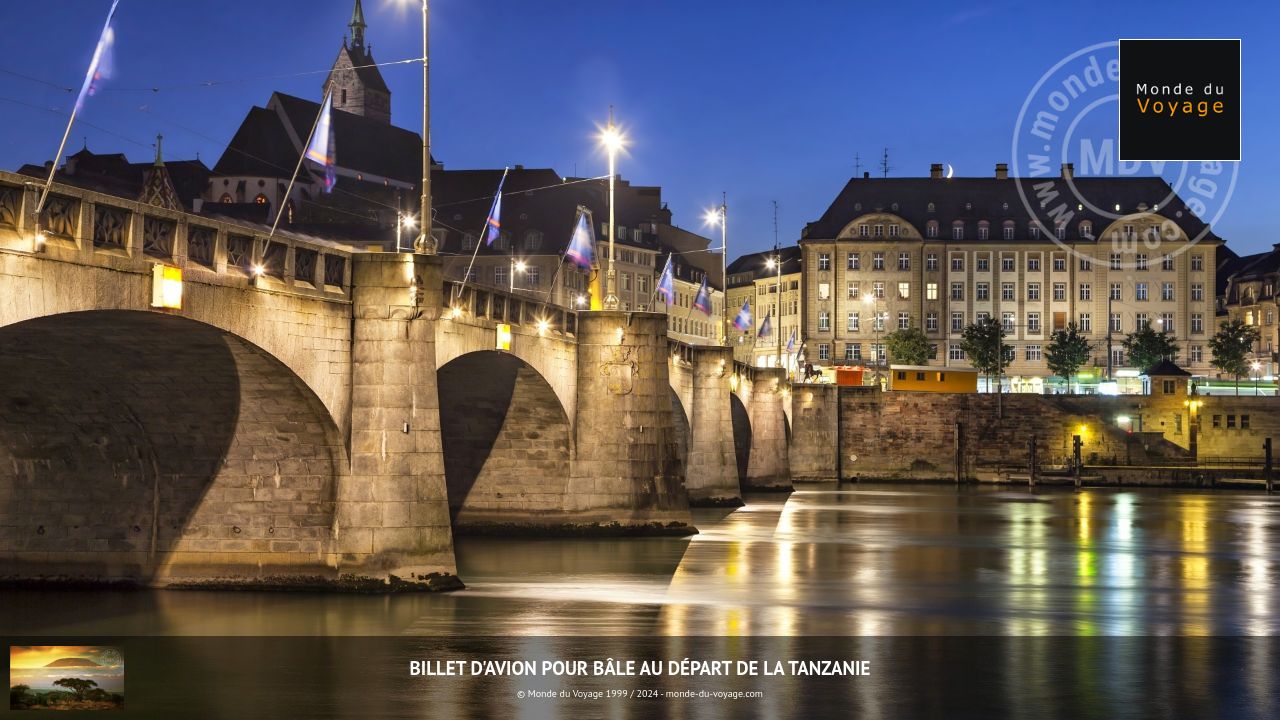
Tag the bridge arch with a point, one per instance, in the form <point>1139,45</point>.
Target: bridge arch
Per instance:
<point>150,447</point>
<point>741,436</point>
<point>507,440</point>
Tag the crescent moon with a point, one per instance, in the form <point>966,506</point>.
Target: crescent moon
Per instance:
<point>950,171</point>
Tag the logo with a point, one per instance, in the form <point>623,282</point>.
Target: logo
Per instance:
<point>1065,159</point>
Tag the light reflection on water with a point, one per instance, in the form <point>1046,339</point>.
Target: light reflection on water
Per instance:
<point>853,560</point>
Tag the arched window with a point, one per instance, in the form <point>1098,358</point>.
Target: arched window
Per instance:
<point>957,230</point>
<point>1007,229</point>
<point>1086,229</point>
<point>984,230</point>
<point>261,199</point>
<point>931,227</point>
<point>226,198</point>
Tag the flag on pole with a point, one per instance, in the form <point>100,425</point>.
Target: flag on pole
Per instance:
<point>666,284</point>
<point>582,247</point>
<point>743,321</point>
<point>493,225</point>
<point>320,149</point>
<point>791,341</point>
<point>100,65</point>
<point>766,327</point>
<point>702,300</point>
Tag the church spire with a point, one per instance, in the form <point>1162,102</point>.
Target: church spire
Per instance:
<point>357,26</point>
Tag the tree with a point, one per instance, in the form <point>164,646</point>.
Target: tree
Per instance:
<point>1231,346</point>
<point>907,347</point>
<point>76,685</point>
<point>1147,347</point>
<point>18,695</point>
<point>983,344</point>
<point>1066,352</point>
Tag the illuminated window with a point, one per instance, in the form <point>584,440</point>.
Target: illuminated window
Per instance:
<point>261,199</point>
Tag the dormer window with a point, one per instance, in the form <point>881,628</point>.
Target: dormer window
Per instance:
<point>931,227</point>
<point>931,207</point>
<point>1086,229</point>
<point>984,230</point>
<point>957,230</point>
<point>1007,229</point>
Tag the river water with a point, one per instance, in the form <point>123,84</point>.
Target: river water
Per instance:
<point>946,578</point>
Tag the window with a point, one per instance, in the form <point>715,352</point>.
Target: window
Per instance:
<point>1141,320</point>
<point>1166,291</point>
<point>1086,322</point>
<point>1059,291</point>
<point>1033,291</point>
<point>931,291</point>
<point>1033,353</point>
<point>1086,229</point>
<point>955,352</point>
<point>877,261</point>
<point>983,318</point>
<point>1117,357</point>
<point>904,260</point>
<point>984,264</point>
<point>957,263</point>
<point>1115,261</point>
<point>626,282</point>
<point>957,322</point>
<point>1244,422</point>
<point>824,291</point>
<point>852,322</point>
<point>824,351</point>
<point>824,320</point>
<point>1217,421</point>
<point>864,231</point>
<point>1086,291</point>
<point>1061,230</point>
<point>1007,320</point>
<point>1006,264</point>
<point>1166,262</point>
<point>877,352</point>
<point>1166,322</point>
<point>1140,291</point>
<point>1059,264</point>
<point>1197,263</point>
<point>261,199</point>
<point>984,230</point>
<point>879,231</point>
<point>878,321</point>
<point>1033,264</point>
<point>1116,290</point>
<point>957,230</point>
<point>1086,264</point>
<point>824,261</point>
<point>1007,231</point>
<point>1033,322</point>
<point>931,321</point>
<point>853,289</point>
<point>853,351</point>
<point>500,275</point>
<point>853,261</point>
<point>1115,323</point>
<point>1033,231</point>
<point>1197,292</point>
<point>904,291</point>
<point>957,291</point>
<point>893,230</point>
<point>904,320</point>
<point>984,291</point>
<point>1197,354</point>
<point>931,262</point>
<point>877,288</point>
<point>642,284</point>
<point>931,229</point>
<point>534,275</point>
<point>1142,261</point>
<point>1231,421</point>
<point>1006,291</point>
<point>1169,386</point>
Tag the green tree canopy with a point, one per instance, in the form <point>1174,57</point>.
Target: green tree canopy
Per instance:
<point>907,347</point>
<point>1146,347</point>
<point>1067,351</point>
<point>1231,346</point>
<point>983,343</point>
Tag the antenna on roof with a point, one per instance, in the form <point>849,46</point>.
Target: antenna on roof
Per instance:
<point>775,226</point>
<point>857,164</point>
<point>884,163</point>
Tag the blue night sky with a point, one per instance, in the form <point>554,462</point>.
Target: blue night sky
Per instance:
<point>763,100</point>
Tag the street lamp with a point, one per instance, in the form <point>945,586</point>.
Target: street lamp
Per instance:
<point>775,263</point>
<point>720,216</point>
<point>422,244</point>
<point>870,299</point>
<point>613,140</point>
<point>1257,367</point>
<point>407,222</point>
<point>517,266</point>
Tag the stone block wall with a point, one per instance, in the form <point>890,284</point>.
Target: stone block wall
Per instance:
<point>767,468</point>
<point>813,450</point>
<point>711,473</point>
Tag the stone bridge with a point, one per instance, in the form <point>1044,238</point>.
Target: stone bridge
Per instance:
<point>316,414</point>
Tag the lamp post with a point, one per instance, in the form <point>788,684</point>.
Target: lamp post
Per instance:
<point>517,266</point>
<point>611,138</point>
<point>426,137</point>
<point>775,263</point>
<point>720,216</point>
<point>406,222</point>
<point>870,299</point>
<point>1257,368</point>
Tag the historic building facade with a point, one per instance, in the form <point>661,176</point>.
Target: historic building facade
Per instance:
<point>941,253</point>
<point>754,279</point>
<point>1249,295</point>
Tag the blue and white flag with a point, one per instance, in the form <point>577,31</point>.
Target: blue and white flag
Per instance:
<point>582,248</point>
<point>100,65</point>
<point>320,149</point>
<point>702,301</point>
<point>791,341</point>
<point>493,225</point>
<point>766,327</point>
<point>743,321</point>
<point>666,284</point>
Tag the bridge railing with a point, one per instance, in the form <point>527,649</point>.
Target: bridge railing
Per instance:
<point>93,228</point>
<point>487,303</point>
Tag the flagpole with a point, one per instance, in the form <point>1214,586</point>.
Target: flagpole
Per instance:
<point>467,275</point>
<point>301,156</point>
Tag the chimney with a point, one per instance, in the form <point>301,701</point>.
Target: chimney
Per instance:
<point>1068,170</point>
<point>866,174</point>
<point>935,171</point>
<point>1002,171</point>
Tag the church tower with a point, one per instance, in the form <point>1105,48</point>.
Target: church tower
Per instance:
<point>357,84</point>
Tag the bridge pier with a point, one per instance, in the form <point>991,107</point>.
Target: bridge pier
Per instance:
<point>768,467</point>
<point>625,474</point>
<point>711,473</point>
<point>391,522</point>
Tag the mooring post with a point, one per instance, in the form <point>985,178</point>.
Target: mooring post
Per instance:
<point>959,445</point>
<point>1031,462</point>
<point>1076,445</point>
<point>1266,467</point>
